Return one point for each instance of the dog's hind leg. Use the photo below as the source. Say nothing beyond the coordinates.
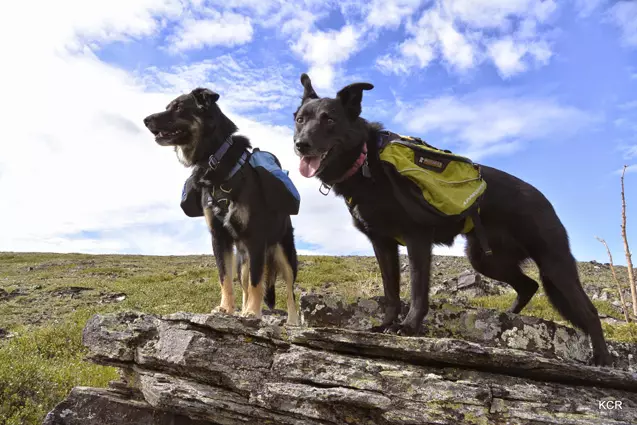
(564, 290)
(222, 246)
(503, 265)
(289, 264)
(243, 272)
(386, 251)
(283, 261)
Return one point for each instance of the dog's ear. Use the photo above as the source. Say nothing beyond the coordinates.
(351, 97)
(308, 90)
(204, 97)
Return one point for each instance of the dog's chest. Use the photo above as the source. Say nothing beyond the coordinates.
(377, 218)
(236, 219)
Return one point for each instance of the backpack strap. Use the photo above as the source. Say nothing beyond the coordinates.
(479, 228)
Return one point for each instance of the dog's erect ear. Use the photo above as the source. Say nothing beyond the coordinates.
(204, 97)
(308, 90)
(351, 96)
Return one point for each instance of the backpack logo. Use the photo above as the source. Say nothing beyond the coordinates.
(437, 165)
(431, 162)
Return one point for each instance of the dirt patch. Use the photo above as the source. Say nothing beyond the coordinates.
(6, 296)
(106, 298)
(70, 291)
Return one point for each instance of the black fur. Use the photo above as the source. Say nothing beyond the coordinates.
(519, 222)
(255, 229)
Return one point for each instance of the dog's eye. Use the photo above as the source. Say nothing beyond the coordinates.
(299, 120)
(330, 121)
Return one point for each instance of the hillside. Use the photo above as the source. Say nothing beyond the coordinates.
(46, 299)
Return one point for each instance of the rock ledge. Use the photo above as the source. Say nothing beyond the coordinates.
(473, 366)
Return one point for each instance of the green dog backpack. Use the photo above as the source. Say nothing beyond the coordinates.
(447, 186)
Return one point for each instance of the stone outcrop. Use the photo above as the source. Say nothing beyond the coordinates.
(473, 366)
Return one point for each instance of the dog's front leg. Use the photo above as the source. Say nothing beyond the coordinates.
(256, 287)
(419, 252)
(386, 251)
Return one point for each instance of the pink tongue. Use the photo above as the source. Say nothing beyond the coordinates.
(309, 165)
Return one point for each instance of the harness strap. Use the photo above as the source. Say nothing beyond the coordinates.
(215, 158)
(482, 237)
(240, 162)
(218, 197)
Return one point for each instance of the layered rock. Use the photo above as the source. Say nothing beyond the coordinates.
(473, 367)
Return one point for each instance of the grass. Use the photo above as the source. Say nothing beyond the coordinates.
(45, 300)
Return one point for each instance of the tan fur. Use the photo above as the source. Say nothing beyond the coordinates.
(237, 212)
(207, 212)
(288, 276)
(245, 283)
(254, 303)
(185, 152)
(227, 296)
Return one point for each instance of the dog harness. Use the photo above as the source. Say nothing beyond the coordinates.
(215, 158)
(445, 186)
(274, 183)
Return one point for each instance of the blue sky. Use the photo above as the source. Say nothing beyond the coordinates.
(544, 90)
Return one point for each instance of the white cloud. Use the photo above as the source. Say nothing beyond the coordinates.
(242, 86)
(587, 7)
(226, 29)
(623, 14)
(489, 123)
(70, 23)
(507, 56)
(463, 33)
(390, 13)
(390, 64)
(498, 13)
(323, 50)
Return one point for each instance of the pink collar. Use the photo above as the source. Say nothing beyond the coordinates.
(355, 167)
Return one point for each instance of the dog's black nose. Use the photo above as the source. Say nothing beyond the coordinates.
(302, 146)
(148, 120)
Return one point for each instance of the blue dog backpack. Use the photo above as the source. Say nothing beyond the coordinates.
(191, 198)
(278, 189)
(279, 192)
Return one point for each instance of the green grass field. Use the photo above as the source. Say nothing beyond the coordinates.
(45, 300)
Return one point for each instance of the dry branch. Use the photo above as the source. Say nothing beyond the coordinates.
(619, 287)
(629, 262)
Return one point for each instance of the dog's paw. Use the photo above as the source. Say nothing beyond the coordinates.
(406, 330)
(386, 329)
(293, 321)
(603, 360)
(250, 315)
(223, 310)
(400, 329)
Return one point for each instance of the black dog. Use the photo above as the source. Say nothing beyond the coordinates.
(519, 223)
(234, 205)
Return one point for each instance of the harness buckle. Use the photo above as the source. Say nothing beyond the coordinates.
(325, 187)
(213, 162)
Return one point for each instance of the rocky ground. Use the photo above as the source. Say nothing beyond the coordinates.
(473, 367)
(46, 299)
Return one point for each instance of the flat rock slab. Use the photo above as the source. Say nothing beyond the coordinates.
(97, 406)
(221, 369)
(484, 326)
